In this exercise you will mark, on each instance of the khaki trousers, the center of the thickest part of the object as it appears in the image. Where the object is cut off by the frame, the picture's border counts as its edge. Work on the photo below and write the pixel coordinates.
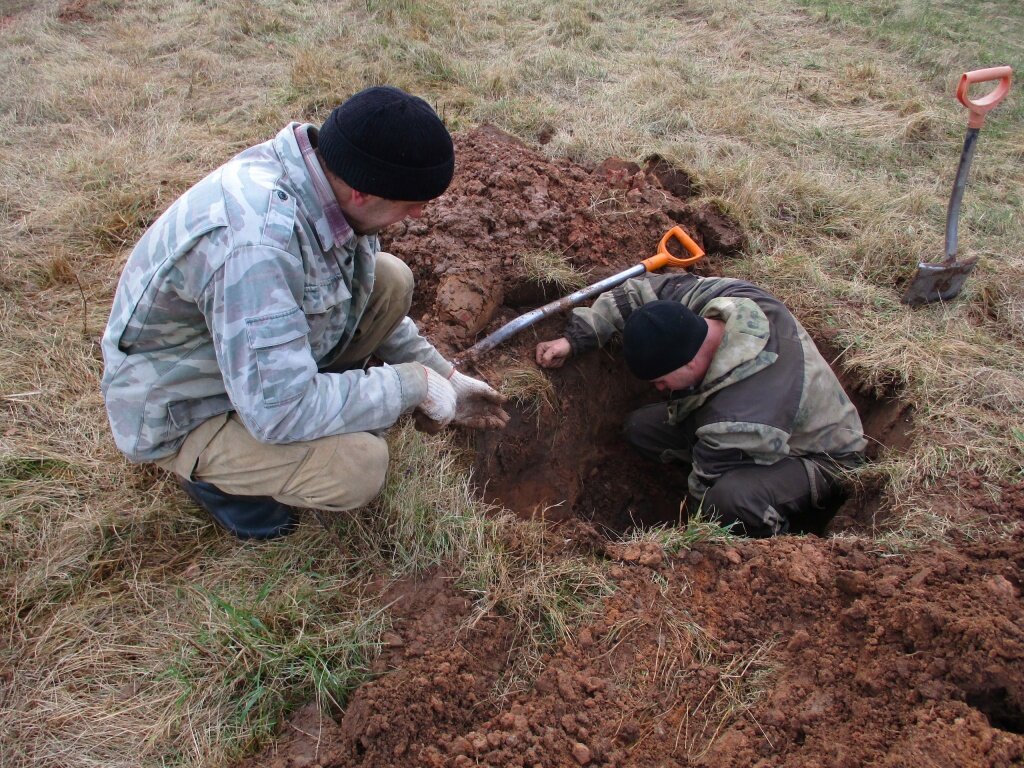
(334, 473)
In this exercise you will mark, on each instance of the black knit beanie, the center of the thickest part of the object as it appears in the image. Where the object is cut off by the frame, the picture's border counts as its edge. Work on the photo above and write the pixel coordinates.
(384, 142)
(660, 337)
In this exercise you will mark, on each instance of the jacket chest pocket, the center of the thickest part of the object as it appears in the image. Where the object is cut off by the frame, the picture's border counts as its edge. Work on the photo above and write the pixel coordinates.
(325, 296)
(327, 307)
(283, 362)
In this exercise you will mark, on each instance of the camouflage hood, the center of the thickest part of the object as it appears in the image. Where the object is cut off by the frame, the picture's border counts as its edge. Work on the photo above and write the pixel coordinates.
(741, 353)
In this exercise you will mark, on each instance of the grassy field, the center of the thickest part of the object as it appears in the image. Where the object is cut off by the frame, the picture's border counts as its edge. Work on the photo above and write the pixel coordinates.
(134, 632)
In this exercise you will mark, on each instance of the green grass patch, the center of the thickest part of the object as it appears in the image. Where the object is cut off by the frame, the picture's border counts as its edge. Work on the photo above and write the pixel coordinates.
(17, 469)
(943, 37)
(270, 659)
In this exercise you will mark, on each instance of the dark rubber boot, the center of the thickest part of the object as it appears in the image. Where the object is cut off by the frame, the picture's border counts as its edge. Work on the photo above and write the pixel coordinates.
(248, 517)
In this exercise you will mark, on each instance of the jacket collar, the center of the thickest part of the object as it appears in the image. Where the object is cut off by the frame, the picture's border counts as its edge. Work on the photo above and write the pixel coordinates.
(299, 155)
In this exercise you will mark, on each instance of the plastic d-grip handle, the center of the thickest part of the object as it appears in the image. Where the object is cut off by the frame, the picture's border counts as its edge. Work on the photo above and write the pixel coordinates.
(665, 259)
(979, 107)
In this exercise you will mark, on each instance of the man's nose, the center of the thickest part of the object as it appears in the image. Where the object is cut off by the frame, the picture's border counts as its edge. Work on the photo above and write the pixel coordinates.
(415, 212)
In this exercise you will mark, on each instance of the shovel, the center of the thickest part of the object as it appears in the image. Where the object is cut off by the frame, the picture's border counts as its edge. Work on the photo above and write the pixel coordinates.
(661, 259)
(943, 280)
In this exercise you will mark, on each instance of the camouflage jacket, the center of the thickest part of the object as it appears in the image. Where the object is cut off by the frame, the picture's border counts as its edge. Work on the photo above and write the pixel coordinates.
(768, 393)
(233, 296)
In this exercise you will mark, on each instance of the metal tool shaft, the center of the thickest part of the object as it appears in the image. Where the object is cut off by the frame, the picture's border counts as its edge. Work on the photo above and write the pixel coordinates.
(953, 211)
(560, 305)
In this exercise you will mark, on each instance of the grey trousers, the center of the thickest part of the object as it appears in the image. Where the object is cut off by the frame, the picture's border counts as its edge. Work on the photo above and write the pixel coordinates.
(759, 500)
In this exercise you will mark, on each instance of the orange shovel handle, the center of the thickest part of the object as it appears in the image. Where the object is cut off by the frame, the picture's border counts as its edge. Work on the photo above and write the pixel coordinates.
(979, 107)
(665, 259)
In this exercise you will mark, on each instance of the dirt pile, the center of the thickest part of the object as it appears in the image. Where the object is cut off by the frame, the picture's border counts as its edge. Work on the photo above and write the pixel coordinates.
(506, 201)
(791, 652)
(794, 652)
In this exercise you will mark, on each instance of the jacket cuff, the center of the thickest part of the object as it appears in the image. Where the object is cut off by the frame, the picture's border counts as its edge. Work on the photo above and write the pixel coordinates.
(581, 339)
(412, 381)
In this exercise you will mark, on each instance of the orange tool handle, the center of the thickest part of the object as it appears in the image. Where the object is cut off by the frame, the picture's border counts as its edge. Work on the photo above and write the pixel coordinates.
(979, 107)
(665, 259)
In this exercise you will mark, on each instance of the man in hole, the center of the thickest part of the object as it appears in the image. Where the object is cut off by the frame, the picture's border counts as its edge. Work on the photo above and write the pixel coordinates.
(754, 410)
(237, 348)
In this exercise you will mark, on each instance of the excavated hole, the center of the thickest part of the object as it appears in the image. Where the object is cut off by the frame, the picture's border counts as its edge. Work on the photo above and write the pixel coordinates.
(570, 459)
(998, 706)
(477, 259)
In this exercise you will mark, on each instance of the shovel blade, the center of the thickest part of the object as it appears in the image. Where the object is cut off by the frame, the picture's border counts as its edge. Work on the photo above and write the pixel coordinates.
(938, 282)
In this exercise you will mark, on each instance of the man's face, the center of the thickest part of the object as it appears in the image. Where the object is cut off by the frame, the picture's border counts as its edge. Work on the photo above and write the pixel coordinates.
(375, 213)
(687, 376)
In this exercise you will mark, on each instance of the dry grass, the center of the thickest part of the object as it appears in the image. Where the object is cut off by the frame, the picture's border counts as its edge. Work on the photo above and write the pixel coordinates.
(832, 136)
(529, 388)
(548, 267)
(740, 681)
(674, 539)
(661, 689)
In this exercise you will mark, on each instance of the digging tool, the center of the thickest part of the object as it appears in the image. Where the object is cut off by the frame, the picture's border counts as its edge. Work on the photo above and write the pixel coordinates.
(661, 259)
(943, 280)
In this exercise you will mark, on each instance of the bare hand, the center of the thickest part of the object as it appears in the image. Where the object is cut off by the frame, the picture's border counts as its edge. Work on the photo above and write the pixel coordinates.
(553, 353)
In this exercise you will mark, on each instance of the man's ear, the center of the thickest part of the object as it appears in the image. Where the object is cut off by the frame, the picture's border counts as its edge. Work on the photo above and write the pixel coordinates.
(358, 198)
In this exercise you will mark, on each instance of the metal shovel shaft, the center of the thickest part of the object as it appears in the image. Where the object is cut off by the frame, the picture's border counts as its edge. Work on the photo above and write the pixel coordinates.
(953, 210)
(534, 316)
(663, 258)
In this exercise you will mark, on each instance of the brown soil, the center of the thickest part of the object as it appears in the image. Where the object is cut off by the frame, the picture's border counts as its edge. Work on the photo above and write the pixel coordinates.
(799, 651)
(76, 10)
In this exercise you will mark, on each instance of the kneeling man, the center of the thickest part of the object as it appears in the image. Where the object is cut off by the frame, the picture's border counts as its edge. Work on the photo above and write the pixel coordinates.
(754, 410)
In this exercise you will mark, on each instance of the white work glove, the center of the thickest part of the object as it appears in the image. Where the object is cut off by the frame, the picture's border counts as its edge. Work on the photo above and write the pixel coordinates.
(478, 405)
(438, 405)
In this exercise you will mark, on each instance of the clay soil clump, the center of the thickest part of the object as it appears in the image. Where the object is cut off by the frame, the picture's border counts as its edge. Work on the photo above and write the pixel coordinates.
(800, 651)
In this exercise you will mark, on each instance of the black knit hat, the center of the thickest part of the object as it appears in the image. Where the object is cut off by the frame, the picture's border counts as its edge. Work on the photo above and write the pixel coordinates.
(384, 142)
(660, 337)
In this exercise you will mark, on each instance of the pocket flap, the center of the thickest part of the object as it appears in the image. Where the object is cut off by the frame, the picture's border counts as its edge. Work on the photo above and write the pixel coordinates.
(323, 297)
(186, 415)
(274, 330)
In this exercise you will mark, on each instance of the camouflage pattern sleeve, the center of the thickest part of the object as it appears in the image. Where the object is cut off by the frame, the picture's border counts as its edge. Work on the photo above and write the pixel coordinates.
(406, 344)
(592, 327)
(252, 307)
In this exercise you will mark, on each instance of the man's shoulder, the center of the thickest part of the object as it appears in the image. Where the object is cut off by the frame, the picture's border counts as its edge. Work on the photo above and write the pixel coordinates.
(258, 187)
(248, 180)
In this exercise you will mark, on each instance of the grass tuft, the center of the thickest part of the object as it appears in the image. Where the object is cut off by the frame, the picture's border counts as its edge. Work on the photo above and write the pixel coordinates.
(673, 539)
(547, 267)
(529, 388)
